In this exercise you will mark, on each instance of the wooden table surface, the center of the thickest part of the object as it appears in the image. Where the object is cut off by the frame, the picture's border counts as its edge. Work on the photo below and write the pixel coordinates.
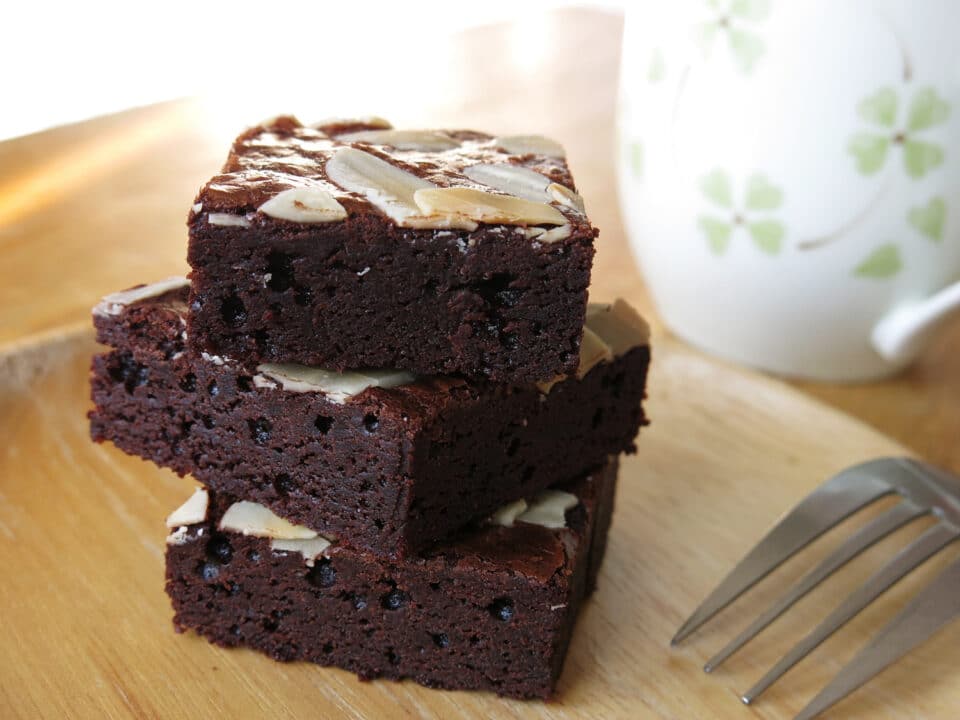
(87, 630)
(90, 208)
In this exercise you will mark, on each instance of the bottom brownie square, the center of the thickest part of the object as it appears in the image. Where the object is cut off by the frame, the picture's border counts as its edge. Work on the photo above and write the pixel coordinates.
(491, 610)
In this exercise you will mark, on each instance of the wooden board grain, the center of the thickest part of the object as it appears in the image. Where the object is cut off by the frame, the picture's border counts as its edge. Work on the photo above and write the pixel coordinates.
(87, 629)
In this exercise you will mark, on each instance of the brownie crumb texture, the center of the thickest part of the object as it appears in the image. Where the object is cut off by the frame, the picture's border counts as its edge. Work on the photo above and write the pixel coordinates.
(386, 461)
(492, 609)
(437, 252)
(404, 415)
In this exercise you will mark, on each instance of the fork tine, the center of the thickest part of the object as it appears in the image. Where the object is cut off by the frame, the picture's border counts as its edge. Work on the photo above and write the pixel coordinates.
(825, 507)
(927, 545)
(871, 533)
(934, 607)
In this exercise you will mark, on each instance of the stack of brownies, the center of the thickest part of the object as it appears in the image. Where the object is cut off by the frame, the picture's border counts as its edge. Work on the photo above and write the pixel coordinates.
(403, 412)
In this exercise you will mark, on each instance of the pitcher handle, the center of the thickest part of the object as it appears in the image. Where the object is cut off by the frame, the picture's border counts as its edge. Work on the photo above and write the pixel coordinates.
(899, 336)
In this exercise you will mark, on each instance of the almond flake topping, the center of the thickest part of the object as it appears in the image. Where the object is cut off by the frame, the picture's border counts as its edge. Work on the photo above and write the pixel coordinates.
(304, 205)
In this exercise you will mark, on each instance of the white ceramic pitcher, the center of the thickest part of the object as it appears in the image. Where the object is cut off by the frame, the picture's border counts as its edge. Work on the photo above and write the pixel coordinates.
(789, 173)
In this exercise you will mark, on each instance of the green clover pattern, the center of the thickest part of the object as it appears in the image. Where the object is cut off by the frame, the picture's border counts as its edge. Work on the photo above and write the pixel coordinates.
(882, 263)
(636, 159)
(658, 67)
(881, 110)
(929, 219)
(737, 20)
(760, 197)
(885, 262)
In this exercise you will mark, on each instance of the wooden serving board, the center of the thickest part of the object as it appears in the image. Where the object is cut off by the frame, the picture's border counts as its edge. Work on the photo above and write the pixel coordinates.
(86, 624)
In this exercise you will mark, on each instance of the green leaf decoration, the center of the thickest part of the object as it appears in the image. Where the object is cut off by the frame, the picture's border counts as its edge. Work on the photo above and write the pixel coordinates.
(870, 151)
(761, 195)
(926, 110)
(636, 160)
(718, 233)
(658, 67)
(880, 108)
(747, 48)
(884, 262)
(755, 10)
(767, 235)
(704, 35)
(930, 219)
(919, 158)
(716, 186)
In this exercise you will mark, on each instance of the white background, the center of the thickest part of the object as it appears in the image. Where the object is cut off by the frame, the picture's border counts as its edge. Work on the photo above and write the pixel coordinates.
(67, 61)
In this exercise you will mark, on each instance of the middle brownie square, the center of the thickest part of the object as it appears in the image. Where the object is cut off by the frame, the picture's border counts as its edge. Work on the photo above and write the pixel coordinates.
(388, 469)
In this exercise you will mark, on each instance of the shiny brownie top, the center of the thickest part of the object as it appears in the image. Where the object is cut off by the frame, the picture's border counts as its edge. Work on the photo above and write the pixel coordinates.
(442, 180)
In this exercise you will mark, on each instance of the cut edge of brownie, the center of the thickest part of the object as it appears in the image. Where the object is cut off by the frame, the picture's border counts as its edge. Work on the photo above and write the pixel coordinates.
(299, 255)
(491, 610)
(240, 435)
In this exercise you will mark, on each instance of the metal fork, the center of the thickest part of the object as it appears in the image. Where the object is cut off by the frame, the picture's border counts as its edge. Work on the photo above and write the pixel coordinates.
(924, 491)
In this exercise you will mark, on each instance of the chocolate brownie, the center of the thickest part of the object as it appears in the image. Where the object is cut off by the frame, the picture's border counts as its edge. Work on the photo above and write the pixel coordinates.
(350, 245)
(385, 461)
(492, 609)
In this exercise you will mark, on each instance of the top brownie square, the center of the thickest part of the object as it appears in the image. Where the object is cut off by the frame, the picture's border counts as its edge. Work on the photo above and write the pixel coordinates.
(352, 245)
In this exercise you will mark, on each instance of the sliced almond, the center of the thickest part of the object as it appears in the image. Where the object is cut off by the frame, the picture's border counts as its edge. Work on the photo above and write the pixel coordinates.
(193, 511)
(310, 549)
(486, 207)
(508, 513)
(263, 382)
(228, 220)
(424, 140)
(567, 197)
(304, 205)
(561, 232)
(179, 536)
(618, 325)
(388, 378)
(114, 303)
(337, 386)
(389, 188)
(593, 350)
(439, 221)
(385, 185)
(530, 145)
(549, 509)
(512, 179)
(251, 518)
